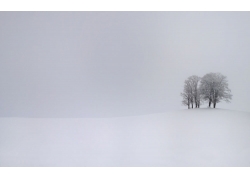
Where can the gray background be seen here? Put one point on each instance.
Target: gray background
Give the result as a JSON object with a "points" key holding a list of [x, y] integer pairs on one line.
{"points": [[105, 64]]}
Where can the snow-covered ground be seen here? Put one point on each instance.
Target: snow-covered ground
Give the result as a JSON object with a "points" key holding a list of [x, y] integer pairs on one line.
{"points": [[195, 137]]}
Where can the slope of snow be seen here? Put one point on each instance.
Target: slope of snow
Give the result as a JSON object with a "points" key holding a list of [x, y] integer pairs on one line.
{"points": [[196, 137]]}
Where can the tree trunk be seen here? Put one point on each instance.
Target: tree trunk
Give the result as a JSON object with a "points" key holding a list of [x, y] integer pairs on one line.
{"points": [[192, 106], [209, 103], [214, 105]]}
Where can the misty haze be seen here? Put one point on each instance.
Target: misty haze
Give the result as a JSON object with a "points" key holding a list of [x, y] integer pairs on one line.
{"points": [[124, 89]]}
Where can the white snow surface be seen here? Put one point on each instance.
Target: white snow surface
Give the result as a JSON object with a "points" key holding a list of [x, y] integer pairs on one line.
{"points": [[195, 137]]}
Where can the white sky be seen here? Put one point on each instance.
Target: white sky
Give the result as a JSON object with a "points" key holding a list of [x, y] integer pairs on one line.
{"points": [[104, 64]]}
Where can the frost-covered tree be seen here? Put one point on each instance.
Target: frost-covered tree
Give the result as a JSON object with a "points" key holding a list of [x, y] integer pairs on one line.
{"points": [[186, 99], [206, 88], [191, 93], [198, 99], [194, 81], [214, 88], [187, 94]]}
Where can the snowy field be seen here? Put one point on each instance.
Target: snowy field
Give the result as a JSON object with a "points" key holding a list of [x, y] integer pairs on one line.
{"points": [[196, 137]]}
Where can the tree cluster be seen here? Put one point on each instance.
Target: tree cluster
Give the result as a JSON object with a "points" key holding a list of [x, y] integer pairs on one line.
{"points": [[211, 88]]}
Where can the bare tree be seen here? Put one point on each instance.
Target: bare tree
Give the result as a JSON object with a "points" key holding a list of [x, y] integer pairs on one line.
{"points": [[206, 88], [221, 90], [194, 80], [191, 93], [214, 88], [199, 99], [186, 99], [187, 94]]}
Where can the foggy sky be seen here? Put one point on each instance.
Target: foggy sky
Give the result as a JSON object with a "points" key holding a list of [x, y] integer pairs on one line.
{"points": [[105, 64]]}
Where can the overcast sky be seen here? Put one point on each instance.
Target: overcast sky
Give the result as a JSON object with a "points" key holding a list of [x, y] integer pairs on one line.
{"points": [[104, 64]]}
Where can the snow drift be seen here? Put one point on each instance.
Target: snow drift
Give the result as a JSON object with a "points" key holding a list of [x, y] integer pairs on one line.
{"points": [[195, 137]]}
